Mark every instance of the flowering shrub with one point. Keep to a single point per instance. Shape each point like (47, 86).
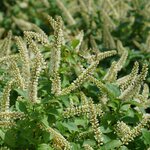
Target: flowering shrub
(59, 94)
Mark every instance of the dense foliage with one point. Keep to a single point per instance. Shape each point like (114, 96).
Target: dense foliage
(74, 74)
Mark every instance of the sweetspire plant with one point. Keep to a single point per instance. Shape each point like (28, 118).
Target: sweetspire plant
(62, 99)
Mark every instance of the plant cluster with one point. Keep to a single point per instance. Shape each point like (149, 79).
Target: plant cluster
(71, 89)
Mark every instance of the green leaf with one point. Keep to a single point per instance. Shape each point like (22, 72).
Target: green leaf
(89, 142)
(44, 147)
(105, 130)
(111, 145)
(21, 106)
(146, 136)
(125, 107)
(75, 43)
(75, 146)
(2, 135)
(70, 126)
(132, 103)
(22, 93)
(47, 137)
(44, 121)
(114, 89)
(61, 127)
(10, 138)
(80, 122)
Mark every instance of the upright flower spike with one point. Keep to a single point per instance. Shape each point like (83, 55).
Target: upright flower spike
(103, 99)
(111, 75)
(5, 102)
(122, 8)
(111, 6)
(134, 88)
(107, 20)
(94, 45)
(25, 25)
(144, 46)
(143, 97)
(70, 19)
(83, 98)
(38, 66)
(6, 45)
(122, 60)
(80, 38)
(94, 122)
(120, 47)
(52, 21)
(17, 75)
(38, 63)
(56, 51)
(124, 82)
(56, 84)
(84, 10)
(145, 91)
(25, 59)
(56, 54)
(108, 40)
(83, 6)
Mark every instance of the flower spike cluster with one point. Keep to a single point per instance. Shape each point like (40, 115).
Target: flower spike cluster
(32, 62)
(126, 134)
(91, 111)
(38, 66)
(6, 116)
(92, 115)
(55, 62)
(86, 73)
(135, 86)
